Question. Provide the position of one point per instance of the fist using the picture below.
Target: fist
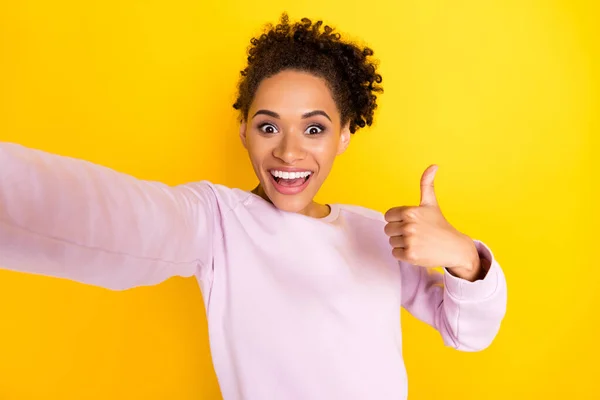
(420, 235)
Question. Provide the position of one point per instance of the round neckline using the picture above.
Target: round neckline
(334, 209)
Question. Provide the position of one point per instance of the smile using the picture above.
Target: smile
(290, 182)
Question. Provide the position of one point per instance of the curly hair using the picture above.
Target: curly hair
(348, 69)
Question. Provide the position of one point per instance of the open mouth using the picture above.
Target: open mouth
(287, 182)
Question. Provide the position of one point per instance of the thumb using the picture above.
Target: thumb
(427, 191)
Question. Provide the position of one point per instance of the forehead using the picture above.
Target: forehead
(293, 93)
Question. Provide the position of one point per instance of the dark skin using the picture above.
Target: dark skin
(293, 122)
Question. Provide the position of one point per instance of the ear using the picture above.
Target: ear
(344, 139)
(243, 133)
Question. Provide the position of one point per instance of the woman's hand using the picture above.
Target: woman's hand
(420, 235)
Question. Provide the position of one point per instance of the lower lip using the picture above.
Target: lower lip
(289, 190)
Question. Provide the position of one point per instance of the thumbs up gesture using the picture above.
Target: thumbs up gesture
(420, 235)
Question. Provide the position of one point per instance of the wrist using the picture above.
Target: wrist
(470, 269)
(470, 274)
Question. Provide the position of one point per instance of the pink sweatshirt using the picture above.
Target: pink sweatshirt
(298, 308)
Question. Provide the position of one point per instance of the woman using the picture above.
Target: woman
(302, 298)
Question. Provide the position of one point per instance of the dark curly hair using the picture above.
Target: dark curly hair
(347, 68)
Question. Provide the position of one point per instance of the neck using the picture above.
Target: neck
(313, 210)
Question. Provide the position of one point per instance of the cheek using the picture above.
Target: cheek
(325, 150)
(257, 147)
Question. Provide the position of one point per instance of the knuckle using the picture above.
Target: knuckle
(412, 213)
(410, 229)
(410, 255)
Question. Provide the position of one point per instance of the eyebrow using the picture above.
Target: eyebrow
(304, 116)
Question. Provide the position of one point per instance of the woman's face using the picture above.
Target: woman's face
(293, 134)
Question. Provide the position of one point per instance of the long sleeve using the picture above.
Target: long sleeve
(69, 218)
(467, 314)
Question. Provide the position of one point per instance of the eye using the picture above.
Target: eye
(268, 128)
(314, 130)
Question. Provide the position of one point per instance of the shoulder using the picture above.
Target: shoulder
(224, 197)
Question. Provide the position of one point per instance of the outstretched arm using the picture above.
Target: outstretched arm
(69, 218)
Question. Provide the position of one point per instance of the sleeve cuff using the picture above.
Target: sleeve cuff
(461, 289)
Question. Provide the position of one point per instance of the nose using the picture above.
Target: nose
(290, 148)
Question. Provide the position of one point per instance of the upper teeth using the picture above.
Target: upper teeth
(290, 175)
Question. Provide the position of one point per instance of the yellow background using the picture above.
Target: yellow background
(503, 95)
